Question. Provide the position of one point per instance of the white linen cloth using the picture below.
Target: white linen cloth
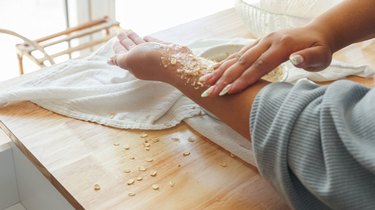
(89, 89)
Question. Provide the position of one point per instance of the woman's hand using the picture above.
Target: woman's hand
(305, 47)
(142, 57)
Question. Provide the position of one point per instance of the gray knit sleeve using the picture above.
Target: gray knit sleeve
(316, 145)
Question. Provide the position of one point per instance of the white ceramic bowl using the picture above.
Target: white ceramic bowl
(220, 52)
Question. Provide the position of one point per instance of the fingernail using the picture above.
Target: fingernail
(225, 90)
(296, 59)
(205, 77)
(207, 92)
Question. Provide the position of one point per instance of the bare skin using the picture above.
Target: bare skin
(142, 57)
(309, 47)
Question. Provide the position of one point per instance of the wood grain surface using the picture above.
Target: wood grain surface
(75, 155)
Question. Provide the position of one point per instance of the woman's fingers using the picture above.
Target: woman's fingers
(267, 62)
(135, 37)
(238, 54)
(232, 73)
(224, 65)
(129, 39)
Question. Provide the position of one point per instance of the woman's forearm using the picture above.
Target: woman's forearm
(182, 69)
(349, 22)
(233, 110)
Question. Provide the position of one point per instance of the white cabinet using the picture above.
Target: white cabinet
(8, 184)
(22, 186)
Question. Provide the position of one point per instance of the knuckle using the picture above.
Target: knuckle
(243, 60)
(261, 64)
(285, 39)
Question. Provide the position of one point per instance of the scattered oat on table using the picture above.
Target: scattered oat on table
(131, 194)
(223, 164)
(126, 147)
(130, 181)
(144, 135)
(155, 186)
(175, 139)
(116, 144)
(139, 178)
(149, 160)
(132, 158)
(96, 187)
(141, 168)
(186, 154)
(191, 139)
(127, 171)
(147, 144)
(154, 173)
(171, 183)
(155, 140)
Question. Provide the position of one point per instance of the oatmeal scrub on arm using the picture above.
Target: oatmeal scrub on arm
(189, 66)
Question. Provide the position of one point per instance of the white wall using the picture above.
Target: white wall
(146, 17)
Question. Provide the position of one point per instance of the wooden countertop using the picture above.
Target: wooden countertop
(75, 155)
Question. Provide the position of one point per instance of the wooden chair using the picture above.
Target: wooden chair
(71, 41)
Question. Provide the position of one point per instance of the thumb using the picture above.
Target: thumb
(312, 59)
(119, 60)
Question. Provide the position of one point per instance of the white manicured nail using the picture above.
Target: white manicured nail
(296, 59)
(207, 92)
(225, 90)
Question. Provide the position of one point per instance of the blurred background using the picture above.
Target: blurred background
(38, 18)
